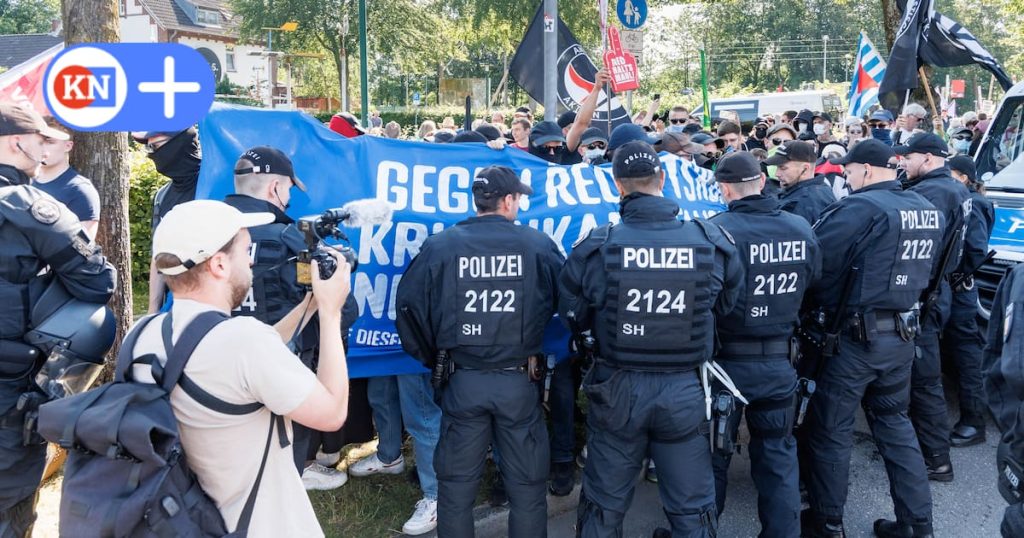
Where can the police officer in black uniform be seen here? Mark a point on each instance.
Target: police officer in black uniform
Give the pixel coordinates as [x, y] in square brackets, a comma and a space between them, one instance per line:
[1004, 375]
[876, 255]
[803, 192]
[649, 290]
[264, 177]
[36, 232]
[479, 295]
[962, 339]
[782, 258]
[924, 159]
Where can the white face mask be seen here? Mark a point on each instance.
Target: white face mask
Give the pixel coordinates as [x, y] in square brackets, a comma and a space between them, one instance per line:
[592, 154]
[819, 129]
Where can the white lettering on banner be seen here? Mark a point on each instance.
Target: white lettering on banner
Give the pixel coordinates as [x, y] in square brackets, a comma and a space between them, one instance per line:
[372, 294]
[582, 182]
[377, 338]
[444, 189]
[389, 175]
[409, 237]
[371, 244]
[603, 176]
[558, 185]
[420, 190]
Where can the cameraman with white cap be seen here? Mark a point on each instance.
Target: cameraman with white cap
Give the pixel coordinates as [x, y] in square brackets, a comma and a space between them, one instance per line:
[202, 250]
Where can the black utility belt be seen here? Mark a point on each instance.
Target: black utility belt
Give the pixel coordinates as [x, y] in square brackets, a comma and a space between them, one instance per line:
[646, 367]
[755, 349]
[520, 368]
[861, 325]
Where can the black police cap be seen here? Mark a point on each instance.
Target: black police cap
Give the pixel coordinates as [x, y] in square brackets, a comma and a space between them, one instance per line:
[793, 150]
[499, 181]
[924, 143]
[965, 165]
[737, 168]
[635, 159]
[869, 151]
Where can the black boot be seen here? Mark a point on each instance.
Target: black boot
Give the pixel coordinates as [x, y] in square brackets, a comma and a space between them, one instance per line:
[814, 526]
[562, 479]
[940, 469]
[964, 434]
[662, 532]
[885, 528]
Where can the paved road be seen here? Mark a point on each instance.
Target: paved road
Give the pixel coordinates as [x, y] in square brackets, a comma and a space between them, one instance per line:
[969, 507]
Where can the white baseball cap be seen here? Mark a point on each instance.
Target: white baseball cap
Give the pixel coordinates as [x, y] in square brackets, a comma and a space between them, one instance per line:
[195, 231]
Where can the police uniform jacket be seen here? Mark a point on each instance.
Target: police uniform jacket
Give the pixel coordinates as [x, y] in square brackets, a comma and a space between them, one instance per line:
[954, 201]
[1003, 362]
[891, 235]
[275, 290]
[808, 198]
[651, 287]
[979, 229]
[37, 232]
[483, 290]
[782, 258]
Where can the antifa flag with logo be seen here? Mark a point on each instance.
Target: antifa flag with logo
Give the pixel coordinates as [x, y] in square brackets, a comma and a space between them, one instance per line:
[575, 72]
[901, 71]
[950, 45]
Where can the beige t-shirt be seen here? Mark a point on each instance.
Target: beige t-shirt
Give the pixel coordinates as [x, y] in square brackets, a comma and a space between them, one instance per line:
[240, 361]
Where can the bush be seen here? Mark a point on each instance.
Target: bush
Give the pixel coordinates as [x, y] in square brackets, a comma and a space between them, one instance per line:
[143, 183]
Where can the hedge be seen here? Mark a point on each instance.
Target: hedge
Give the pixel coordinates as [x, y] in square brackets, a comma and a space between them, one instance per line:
[144, 181]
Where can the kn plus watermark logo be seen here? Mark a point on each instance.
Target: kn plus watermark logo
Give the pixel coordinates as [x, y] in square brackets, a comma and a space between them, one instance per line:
[129, 87]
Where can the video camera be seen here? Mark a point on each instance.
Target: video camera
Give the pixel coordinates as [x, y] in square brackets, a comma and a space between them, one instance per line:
[318, 228]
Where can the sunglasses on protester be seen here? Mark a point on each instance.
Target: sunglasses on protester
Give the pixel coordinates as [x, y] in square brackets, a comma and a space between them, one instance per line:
[597, 145]
[778, 141]
[877, 125]
[678, 121]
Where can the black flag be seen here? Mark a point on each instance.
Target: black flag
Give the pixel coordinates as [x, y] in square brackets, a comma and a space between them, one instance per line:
[950, 44]
[901, 71]
[575, 72]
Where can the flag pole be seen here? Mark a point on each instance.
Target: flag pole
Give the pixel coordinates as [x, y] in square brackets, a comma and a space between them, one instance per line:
[603, 6]
[706, 121]
[928, 92]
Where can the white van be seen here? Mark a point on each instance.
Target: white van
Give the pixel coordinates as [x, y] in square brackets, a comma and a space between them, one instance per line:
[1000, 161]
[750, 107]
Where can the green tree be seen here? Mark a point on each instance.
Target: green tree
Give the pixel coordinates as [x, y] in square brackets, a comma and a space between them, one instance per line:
[28, 16]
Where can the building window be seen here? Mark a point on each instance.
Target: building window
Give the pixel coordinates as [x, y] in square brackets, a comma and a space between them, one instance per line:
[123, 7]
[206, 16]
[229, 59]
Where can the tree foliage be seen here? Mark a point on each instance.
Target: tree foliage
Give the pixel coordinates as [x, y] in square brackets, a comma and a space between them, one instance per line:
[27, 16]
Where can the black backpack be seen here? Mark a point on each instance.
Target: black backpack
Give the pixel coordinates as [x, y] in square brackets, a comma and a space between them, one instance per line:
[126, 472]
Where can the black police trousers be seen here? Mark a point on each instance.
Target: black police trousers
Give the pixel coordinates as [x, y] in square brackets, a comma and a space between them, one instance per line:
[876, 375]
[21, 467]
[769, 384]
[479, 406]
[632, 414]
[927, 401]
[962, 343]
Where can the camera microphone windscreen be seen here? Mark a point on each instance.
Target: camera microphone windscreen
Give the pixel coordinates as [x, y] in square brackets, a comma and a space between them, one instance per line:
[359, 213]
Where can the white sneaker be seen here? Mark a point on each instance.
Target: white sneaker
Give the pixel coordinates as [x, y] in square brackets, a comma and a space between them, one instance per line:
[423, 520]
[328, 460]
[316, 476]
[372, 465]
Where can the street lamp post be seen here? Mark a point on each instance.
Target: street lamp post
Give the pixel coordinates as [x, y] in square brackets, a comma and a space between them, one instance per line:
[824, 59]
[343, 30]
[363, 86]
[290, 26]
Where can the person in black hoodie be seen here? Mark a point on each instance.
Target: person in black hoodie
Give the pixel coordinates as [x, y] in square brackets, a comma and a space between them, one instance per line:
[177, 156]
[803, 193]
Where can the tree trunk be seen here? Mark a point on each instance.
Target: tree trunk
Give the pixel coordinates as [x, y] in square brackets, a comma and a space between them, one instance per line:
[102, 157]
[891, 21]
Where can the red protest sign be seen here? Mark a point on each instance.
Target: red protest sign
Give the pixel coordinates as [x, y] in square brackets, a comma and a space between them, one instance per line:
[620, 64]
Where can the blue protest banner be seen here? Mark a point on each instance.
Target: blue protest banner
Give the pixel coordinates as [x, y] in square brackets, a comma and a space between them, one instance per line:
[428, 185]
[632, 13]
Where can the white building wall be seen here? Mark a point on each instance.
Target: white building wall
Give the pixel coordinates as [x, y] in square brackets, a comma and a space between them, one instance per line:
[246, 66]
[137, 29]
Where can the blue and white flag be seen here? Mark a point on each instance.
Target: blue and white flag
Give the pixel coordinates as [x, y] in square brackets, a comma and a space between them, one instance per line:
[428, 185]
[867, 75]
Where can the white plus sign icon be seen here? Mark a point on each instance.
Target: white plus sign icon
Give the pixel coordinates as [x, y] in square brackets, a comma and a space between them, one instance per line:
[169, 87]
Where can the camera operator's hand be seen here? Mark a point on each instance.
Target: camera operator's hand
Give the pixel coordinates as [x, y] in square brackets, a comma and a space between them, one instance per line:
[497, 144]
[330, 294]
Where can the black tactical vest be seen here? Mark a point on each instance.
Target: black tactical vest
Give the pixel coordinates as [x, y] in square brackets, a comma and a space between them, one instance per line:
[657, 311]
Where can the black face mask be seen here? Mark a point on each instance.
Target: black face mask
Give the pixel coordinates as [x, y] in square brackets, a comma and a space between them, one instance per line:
[548, 154]
[179, 158]
[760, 133]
